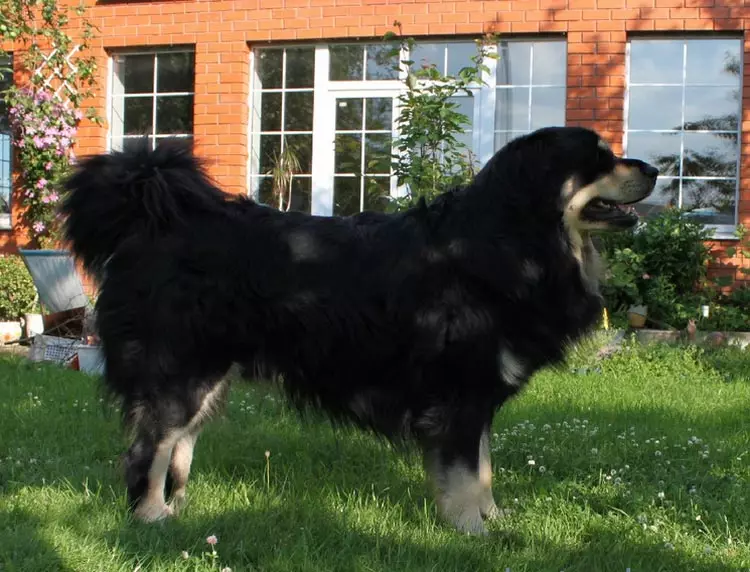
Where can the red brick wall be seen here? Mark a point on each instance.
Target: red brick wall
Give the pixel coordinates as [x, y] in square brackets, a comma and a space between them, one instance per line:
[222, 32]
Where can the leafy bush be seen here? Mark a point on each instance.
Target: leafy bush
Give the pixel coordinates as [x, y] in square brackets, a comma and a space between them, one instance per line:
[662, 264]
[17, 291]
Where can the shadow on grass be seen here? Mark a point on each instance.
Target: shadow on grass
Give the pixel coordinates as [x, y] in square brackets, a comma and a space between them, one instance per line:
[23, 546]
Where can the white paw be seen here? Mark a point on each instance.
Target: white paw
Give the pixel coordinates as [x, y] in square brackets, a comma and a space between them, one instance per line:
[468, 521]
[152, 512]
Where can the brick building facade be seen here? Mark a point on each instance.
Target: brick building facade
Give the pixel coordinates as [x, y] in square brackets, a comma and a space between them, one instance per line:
[664, 77]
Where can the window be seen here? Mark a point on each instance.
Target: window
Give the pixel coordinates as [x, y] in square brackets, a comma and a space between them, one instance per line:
[281, 126]
[683, 115]
[6, 150]
[152, 95]
[335, 107]
[530, 92]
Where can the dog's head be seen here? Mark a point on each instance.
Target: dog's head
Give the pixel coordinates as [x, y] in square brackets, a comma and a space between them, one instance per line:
[572, 172]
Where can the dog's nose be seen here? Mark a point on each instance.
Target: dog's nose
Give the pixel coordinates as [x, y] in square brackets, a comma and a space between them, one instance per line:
[650, 171]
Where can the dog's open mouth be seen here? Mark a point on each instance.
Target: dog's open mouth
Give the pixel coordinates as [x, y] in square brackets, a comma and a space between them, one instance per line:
[605, 210]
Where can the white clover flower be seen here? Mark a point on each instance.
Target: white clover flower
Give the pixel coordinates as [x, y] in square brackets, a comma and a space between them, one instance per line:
[661, 495]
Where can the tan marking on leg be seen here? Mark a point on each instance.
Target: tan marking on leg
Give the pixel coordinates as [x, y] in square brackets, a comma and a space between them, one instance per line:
[487, 505]
[458, 492]
[182, 458]
[152, 506]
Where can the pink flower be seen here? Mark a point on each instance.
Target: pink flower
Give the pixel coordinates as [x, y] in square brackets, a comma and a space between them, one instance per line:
[21, 143]
[54, 197]
[646, 277]
[48, 166]
[41, 183]
[38, 142]
[78, 114]
[38, 226]
[212, 540]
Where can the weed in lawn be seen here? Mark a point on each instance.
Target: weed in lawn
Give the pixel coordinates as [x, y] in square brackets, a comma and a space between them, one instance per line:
[640, 461]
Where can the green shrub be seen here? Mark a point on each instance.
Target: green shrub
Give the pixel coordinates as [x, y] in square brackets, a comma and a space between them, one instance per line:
[662, 264]
[17, 291]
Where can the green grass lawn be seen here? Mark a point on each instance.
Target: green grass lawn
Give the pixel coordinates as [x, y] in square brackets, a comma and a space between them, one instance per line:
[641, 461]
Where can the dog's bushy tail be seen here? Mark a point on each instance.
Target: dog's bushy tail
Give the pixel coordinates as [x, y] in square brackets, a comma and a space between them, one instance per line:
[112, 197]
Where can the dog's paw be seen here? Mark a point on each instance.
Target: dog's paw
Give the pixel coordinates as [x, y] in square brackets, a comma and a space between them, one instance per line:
[468, 521]
[152, 512]
[178, 502]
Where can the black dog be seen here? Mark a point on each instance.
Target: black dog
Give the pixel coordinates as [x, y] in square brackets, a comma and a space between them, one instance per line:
[417, 325]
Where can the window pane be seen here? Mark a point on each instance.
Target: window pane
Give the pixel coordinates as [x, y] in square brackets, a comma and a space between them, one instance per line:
[348, 154]
[136, 73]
[504, 137]
[713, 61]
[656, 61]
[712, 108]
[302, 147]
[547, 106]
[428, 54]
[175, 72]
[666, 193]
[378, 153]
[346, 195]
[298, 112]
[349, 114]
[138, 115]
[710, 202]
[265, 192]
[174, 114]
[270, 112]
[662, 150]
[301, 194]
[512, 109]
[514, 63]
[465, 107]
[710, 155]
[377, 193]
[381, 62]
[300, 67]
[136, 143]
[550, 63]
[5, 173]
[459, 56]
[655, 107]
[346, 62]
[270, 147]
[269, 68]
[301, 187]
[379, 114]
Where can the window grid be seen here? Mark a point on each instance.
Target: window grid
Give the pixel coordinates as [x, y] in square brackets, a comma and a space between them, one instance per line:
[153, 135]
[683, 85]
[256, 131]
[531, 86]
[481, 132]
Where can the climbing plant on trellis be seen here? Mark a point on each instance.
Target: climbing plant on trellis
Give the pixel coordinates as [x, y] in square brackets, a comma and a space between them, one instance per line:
[47, 106]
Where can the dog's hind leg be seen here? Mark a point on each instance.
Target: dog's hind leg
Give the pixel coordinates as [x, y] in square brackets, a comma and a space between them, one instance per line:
[163, 450]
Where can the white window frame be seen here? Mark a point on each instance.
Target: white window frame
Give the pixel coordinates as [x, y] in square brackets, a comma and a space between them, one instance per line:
[720, 231]
[115, 91]
[327, 91]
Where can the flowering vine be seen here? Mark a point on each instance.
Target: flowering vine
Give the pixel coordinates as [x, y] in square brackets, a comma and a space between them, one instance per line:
[44, 123]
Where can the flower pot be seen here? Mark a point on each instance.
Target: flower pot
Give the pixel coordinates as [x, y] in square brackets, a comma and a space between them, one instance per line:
[10, 332]
[33, 324]
[637, 316]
